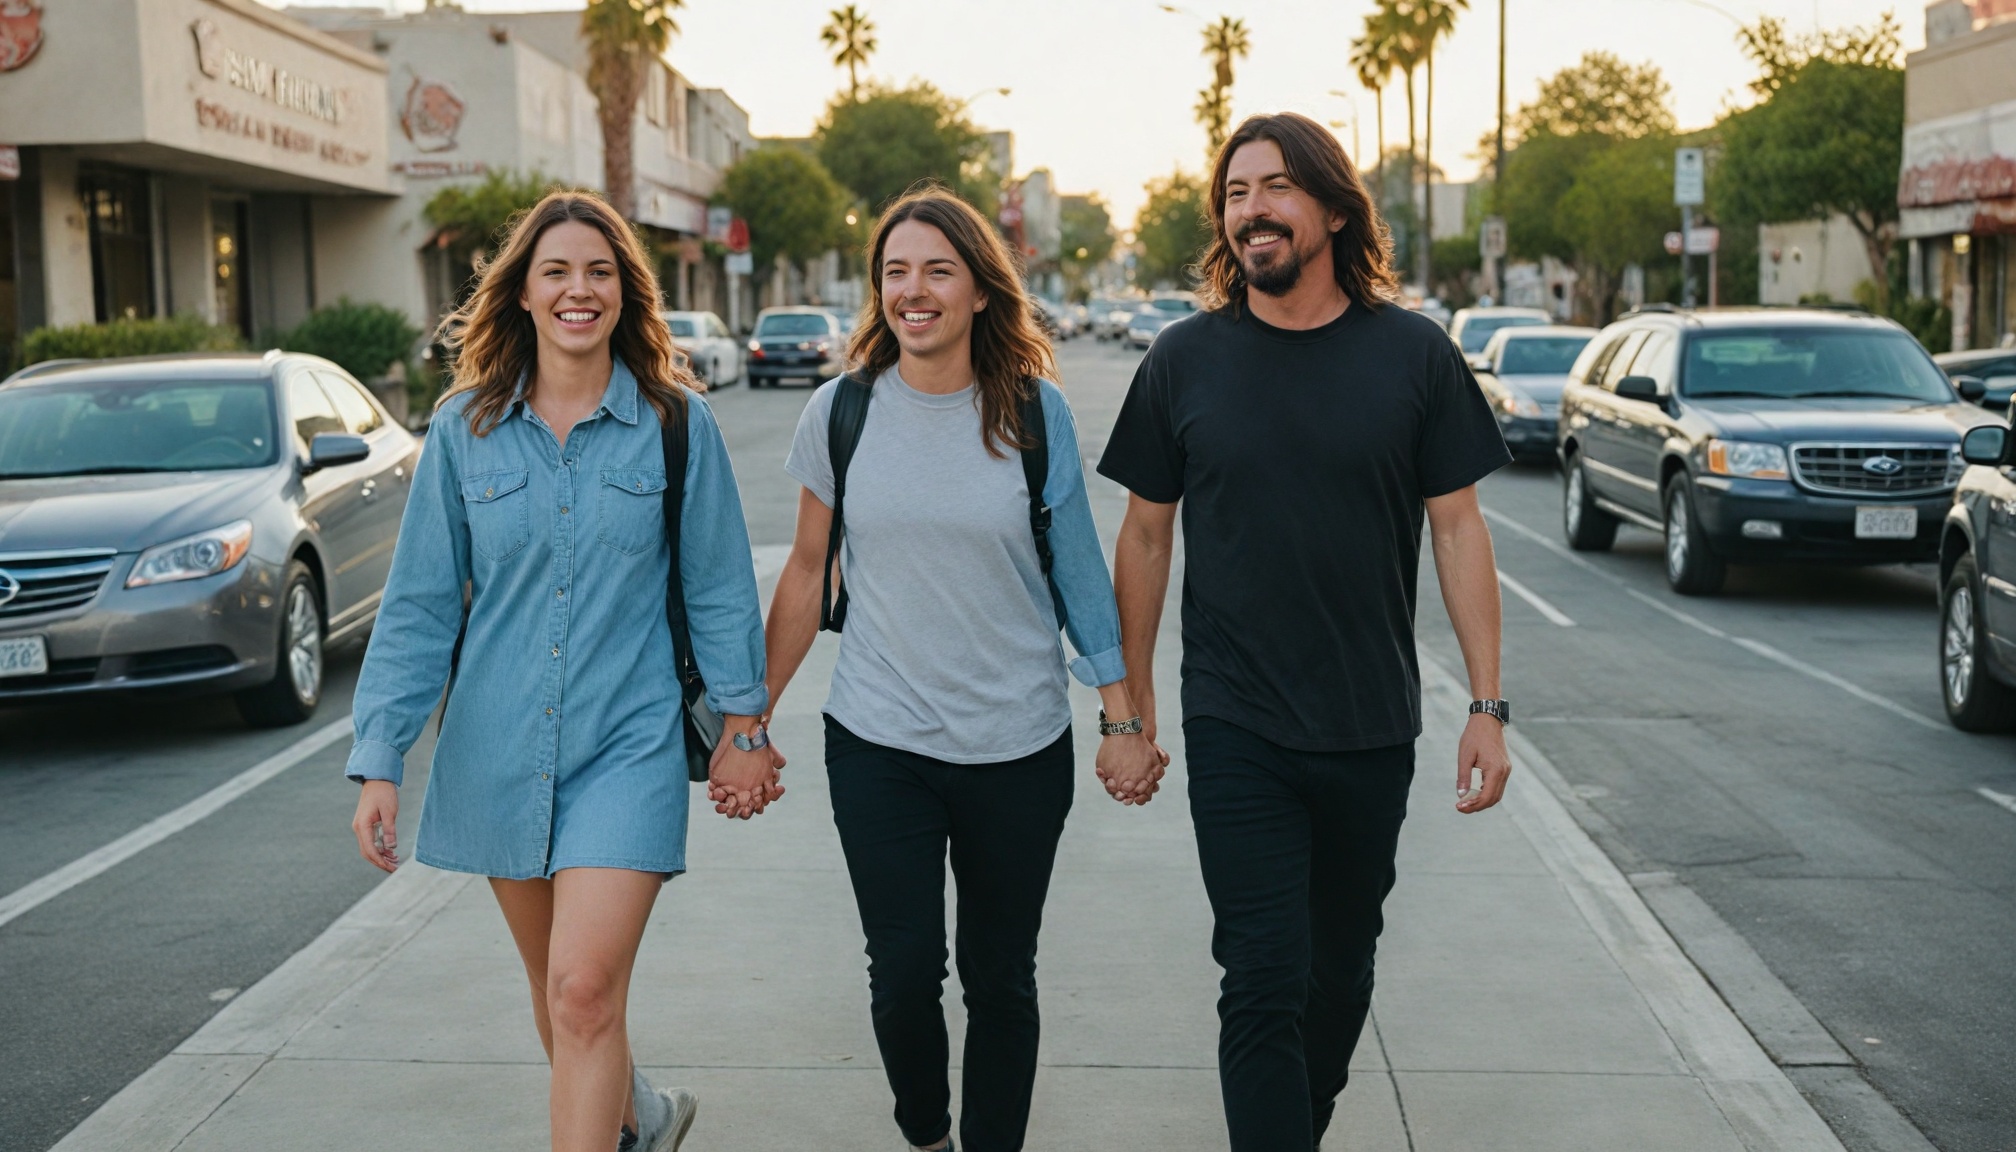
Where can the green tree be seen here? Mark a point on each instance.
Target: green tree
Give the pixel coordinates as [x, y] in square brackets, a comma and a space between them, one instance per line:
[1431, 20]
[1373, 60]
[893, 138]
[793, 207]
[624, 38]
[473, 218]
[1087, 237]
[1830, 140]
[1616, 213]
[1224, 42]
[1173, 229]
[1600, 94]
[851, 35]
[1779, 54]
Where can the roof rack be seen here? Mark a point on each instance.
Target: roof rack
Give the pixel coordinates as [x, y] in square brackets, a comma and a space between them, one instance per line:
[42, 366]
[1655, 307]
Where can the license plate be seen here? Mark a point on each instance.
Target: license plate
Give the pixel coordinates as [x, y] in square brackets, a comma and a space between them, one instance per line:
[1886, 523]
[27, 656]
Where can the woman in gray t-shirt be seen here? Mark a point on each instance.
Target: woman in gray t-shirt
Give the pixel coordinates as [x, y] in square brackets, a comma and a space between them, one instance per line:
[948, 726]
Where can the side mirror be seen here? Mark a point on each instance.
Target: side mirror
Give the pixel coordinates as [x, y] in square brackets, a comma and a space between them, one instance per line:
[1641, 388]
[330, 449]
[1989, 445]
[1971, 388]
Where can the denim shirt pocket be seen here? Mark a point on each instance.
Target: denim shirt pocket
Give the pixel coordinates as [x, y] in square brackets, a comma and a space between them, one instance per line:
[496, 504]
[630, 509]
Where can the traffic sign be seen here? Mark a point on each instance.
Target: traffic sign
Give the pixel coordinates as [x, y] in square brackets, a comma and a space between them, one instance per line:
[1491, 238]
[738, 264]
[719, 220]
[738, 235]
[1700, 241]
[1690, 177]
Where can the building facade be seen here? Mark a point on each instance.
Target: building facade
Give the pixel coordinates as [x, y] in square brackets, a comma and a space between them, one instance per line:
[180, 157]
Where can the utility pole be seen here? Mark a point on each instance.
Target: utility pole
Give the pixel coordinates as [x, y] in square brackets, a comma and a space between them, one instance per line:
[1498, 172]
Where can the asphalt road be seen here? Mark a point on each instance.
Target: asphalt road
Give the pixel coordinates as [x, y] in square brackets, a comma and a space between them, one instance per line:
[1844, 841]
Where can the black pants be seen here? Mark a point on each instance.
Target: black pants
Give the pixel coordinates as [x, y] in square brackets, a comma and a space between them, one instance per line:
[1297, 851]
[897, 811]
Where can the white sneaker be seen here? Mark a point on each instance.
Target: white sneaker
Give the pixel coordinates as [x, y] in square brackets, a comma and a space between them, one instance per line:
[664, 1115]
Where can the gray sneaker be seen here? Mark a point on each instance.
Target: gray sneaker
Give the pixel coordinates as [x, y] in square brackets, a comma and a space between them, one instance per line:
[664, 1115]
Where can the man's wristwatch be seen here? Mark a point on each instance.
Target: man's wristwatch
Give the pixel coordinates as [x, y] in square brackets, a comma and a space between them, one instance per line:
[1123, 728]
[1501, 709]
[746, 743]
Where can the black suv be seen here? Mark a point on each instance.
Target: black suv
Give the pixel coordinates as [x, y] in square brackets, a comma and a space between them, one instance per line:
[1761, 434]
[1977, 581]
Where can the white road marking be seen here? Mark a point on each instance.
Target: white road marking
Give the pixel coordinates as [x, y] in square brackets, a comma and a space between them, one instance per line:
[2002, 798]
[1553, 614]
[39, 892]
[1755, 647]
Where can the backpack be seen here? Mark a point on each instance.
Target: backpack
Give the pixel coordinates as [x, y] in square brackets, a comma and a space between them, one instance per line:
[843, 434]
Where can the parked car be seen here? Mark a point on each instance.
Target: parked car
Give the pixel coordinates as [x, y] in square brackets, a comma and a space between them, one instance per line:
[715, 354]
[1977, 582]
[1521, 371]
[1161, 310]
[1111, 318]
[1472, 328]
[801, 343]
[1994, 367]
[198, 522]
[1754, 435]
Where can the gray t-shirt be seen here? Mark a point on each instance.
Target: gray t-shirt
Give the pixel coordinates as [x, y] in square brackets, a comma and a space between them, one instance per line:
[951, 648]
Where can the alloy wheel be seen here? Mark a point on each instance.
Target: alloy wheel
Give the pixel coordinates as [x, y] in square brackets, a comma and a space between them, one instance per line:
[1573, 509]
[1956, 649]
[304, 643]
[1676, 534]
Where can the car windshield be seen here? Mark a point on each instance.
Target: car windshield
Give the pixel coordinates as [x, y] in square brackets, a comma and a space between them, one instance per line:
[103, 426]
[683, 328]
[1178, 305]
[1540, 355]
[1793, 364]
[792, 324]
[1477, 330]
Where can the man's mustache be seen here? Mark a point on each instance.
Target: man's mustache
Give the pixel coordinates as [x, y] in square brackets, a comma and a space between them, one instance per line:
[1252, 226]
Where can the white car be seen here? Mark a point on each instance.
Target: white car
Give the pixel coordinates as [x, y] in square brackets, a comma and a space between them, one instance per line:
[1471, 328]
[1522, 370]
[716, 356]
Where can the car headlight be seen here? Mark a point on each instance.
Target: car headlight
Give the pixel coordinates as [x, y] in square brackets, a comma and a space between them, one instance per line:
[755, 345]
[1744, 458]
[193, 557]
[1517, 403]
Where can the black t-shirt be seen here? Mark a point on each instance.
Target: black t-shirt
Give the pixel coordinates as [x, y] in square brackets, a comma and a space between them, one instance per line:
[1302, 459]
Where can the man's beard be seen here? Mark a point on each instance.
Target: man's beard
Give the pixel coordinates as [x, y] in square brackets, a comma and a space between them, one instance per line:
[1280, 275]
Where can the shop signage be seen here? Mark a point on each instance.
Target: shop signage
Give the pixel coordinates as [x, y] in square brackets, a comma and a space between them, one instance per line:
[1953, 180]
[431, 115]
[437, 168]
[20, 32]
[10, 162]
[215, 117]
[289, 90]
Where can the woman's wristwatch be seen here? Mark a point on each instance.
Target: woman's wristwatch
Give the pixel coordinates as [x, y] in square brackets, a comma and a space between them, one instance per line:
[1123, 728]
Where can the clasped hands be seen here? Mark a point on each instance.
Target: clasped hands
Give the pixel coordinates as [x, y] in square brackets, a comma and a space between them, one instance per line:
[1131, 767]
[742, 784]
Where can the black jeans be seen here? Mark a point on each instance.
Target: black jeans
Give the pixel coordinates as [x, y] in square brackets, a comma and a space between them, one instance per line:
[1297, 852]
[897, 812]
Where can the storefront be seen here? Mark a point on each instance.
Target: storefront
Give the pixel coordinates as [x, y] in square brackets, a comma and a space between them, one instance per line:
[1957, 192]
[176, 157]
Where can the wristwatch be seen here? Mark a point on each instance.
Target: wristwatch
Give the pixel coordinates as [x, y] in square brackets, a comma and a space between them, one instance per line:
[747, 743]
[1500, 709]
[1123, 728]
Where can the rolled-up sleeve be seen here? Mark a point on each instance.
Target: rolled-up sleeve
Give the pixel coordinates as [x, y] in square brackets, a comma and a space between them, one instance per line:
[1078, 565]
[723, 613]
[413, 642]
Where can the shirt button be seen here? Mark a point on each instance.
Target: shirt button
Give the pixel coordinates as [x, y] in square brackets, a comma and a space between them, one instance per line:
[549, 711]
[559, 592]
[556, 651]
[488, 492]
[543, 776]
[563, 509]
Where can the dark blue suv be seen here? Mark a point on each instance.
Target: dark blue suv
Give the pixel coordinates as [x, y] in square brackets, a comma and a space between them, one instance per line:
[1977, 582]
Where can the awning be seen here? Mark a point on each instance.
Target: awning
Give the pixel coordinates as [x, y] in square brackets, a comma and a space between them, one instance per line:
[1959, 174]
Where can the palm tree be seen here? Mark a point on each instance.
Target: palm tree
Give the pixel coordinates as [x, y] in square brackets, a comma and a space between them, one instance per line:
[1372, 58]
[625, 38]
[1224, 42]
[1432, 20]
[851, 35]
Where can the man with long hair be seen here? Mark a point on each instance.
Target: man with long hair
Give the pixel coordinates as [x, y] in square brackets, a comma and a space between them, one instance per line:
[1303, 423]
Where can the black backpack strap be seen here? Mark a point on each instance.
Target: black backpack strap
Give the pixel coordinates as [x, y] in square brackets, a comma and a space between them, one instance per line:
[843, 432]
[673, 432]
[1036, 474]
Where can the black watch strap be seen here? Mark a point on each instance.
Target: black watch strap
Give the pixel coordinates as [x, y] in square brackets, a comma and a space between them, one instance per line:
[1500, 709]
[1118, 728]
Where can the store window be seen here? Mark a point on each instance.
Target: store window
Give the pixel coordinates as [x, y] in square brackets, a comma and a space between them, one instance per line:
[120, 222]
[227, 264]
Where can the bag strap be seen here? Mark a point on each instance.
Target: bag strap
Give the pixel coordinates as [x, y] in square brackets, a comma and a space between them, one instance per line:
[1036, 474]
[673, 436]
[843, 432]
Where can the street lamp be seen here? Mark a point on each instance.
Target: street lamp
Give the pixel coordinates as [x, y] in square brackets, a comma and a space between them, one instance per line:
[986, 92]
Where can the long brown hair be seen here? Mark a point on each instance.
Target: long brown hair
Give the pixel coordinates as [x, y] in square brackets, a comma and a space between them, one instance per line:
[1009, 351]
[494, 346]
[1361, 251]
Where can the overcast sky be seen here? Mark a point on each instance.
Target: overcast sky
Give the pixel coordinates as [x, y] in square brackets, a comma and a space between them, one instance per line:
[1102, 89]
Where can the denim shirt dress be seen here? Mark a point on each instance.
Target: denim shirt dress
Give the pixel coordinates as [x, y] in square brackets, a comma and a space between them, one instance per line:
[561, 745]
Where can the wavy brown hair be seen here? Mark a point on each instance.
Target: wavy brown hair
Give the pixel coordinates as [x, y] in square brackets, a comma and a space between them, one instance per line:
[1009, 350]
[495, 347]
[1361, 251]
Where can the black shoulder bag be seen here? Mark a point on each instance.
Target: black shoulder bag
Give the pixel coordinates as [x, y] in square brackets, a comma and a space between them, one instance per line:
[701, 725]
[843, 434]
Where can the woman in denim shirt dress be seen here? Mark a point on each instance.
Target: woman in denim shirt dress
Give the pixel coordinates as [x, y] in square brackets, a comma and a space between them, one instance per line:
[560, 771]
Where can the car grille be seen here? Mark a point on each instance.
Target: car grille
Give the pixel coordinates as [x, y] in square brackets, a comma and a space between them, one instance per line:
[52, 581]
[1923, 468]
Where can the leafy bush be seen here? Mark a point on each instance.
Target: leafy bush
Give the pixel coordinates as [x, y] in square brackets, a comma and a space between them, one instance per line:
[365, 339]
[128, 338]
[1930, 321]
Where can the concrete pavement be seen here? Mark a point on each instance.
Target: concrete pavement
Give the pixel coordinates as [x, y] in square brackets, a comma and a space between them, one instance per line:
[1527, 998]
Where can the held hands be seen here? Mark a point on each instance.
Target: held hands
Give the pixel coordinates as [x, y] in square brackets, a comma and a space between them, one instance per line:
[375, 824]
[742, 784]
[1482, 752]
[1131, 767]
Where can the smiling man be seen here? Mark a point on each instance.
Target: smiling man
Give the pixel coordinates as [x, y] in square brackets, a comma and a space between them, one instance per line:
[1303, 423]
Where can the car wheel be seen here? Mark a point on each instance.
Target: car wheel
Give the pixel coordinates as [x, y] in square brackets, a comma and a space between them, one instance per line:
[1975, 700]
[296, 688]
[1587, 527]
[1691, 568]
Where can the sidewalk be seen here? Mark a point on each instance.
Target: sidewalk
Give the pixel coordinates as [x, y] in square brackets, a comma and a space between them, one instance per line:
[1527, 998]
